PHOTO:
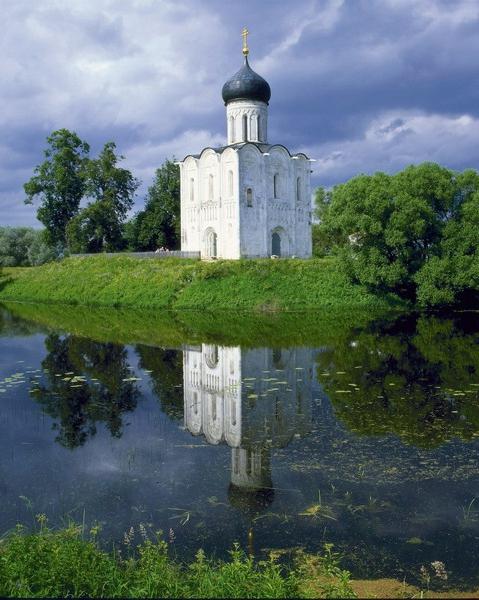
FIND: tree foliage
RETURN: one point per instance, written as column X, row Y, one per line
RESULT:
column 59, row 183
column 25, row 246
column 159, row 223
column 98, row 227
column 392, row 231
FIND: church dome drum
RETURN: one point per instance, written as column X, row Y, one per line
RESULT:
column 246, row 85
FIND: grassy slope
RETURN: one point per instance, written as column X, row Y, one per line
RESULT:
column 186, row 284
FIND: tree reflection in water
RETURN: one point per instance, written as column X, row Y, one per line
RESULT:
column 87, row 383
column 415, row 377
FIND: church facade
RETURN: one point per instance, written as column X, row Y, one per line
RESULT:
column 247, row 199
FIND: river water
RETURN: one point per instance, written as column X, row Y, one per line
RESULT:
column 275, row 433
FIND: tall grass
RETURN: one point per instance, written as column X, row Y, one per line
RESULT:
column 260, row 284
column 62, row 564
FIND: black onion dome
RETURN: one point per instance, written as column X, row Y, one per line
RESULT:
column 246, row 85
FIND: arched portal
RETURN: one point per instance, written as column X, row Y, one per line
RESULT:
column 279, row 242
column 276, row 244
column 210, row 243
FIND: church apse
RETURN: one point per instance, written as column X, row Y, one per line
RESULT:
column 252, row 401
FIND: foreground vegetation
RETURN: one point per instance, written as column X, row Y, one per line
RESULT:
column 52, row 564
column 260, row 284
column 70, row 563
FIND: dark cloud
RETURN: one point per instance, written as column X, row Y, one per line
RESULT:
column 360, row 85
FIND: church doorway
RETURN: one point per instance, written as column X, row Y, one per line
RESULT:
column 276, row 244
column 279, row 242
column 211, row 244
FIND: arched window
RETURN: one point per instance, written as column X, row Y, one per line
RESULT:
column 214, row 411
column 298, row 189
column 192, row 189
column 236, row 460
column 258, row 129
column 245, row 128
column 276, row 185
column 278, row 359
column 211, row 356
column 249, row 462
column 210, row 187
column 230, row 183
column 232, row 129
column 249, row 197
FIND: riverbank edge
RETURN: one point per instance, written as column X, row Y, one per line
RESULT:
column 69, row 562
column 261, row 285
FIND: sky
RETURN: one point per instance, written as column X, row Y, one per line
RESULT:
column 359, row 85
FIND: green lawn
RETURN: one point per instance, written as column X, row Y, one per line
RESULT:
column 262, row 284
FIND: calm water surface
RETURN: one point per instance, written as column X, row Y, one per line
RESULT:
column 368, row 440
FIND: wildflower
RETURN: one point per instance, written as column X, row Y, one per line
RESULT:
column 143, row 532
column 94, row 530
column 439, row 569
column 128, row 536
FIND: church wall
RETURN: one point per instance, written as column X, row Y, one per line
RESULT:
column 282, row 214
column 189, row 198
column 230, row 243
column 302, row 171
column 253, row 219
column 209, row 191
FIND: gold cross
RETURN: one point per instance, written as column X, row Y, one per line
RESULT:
column 244, row 33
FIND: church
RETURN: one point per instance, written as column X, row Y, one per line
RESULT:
column 248, row 199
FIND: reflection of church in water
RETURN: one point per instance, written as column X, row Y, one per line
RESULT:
column 252, row 400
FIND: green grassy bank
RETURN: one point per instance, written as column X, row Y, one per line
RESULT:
column 70, row 563
column 49, row 564
column 171, row 283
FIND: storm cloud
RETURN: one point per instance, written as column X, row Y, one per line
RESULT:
column 359, row 85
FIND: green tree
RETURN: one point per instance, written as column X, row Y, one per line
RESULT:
column 453, row 275
column 98, row 227
column 14, row 245
column 386, row 227
column 59, row 183
column 323, row 240
column 159, row 223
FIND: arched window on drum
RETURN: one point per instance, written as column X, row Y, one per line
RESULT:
column 245, row 128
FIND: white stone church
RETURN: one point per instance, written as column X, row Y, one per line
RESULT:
column 250, row 198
